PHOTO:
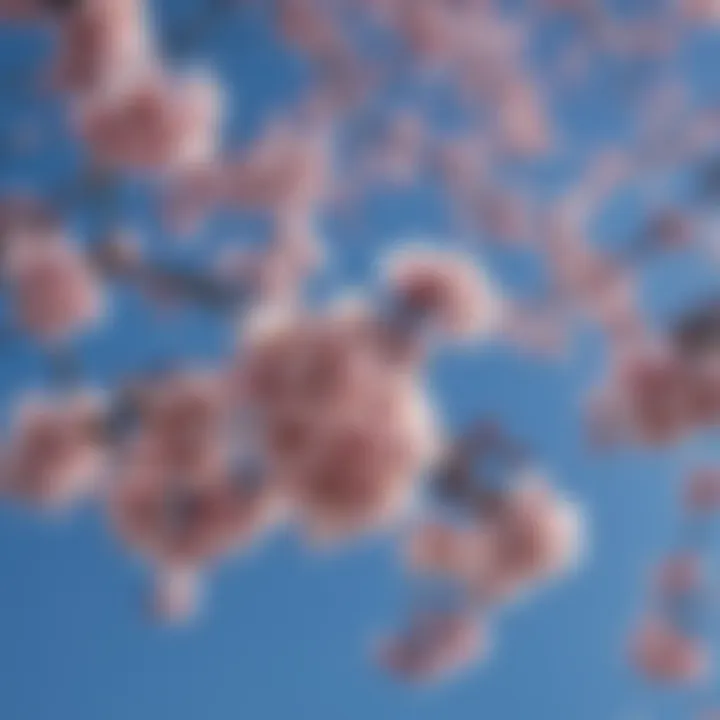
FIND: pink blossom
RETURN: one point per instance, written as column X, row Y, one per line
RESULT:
column 171, row 519
column 24, row 213
column 156, row 124
column 358, row 475
column 701, row 10
column 430, row 28
column 523, row 126
column 103, row 46
column 665, row 655
column 54, row 291
column 185, row 417
column 534, row 536
column 461, row 553
column 678, row 575
column 21, row 10
column 346, row 429
column 55, row 456
column 435, row 646
column 523, row 537
column 445, row 290
column 285, row 169
column 647, row 395
column 310, row 27
column 703, row 390
column 702, row 490
column 17, row 9
column 303, row 362
column 176, row 595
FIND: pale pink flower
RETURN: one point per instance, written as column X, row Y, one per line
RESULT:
column 678, row 575
column 460, row 553
column 24, row 213
column 521, row 538
column 358, row 476
column 702, row 381
column 343, row 358
column 665, row 655
column 173, row 520
column 176, row 595
column 310, row 27
column 54, row 291
column 430, row 28
column 17, row 9
column 701, row 10
column 103, row 46
column 21, row 10
column 534, row 536
column 185, row 417
column 701, row 493
column 647, row 395
column 346, row 429
column 667, row 396
column 167, row 519
column 179, row 497
column 55, row 454
column 435, row 646
column 286, row 169
column 303, row 362
column 523, row 127
column 446, row 291
column 156, row 124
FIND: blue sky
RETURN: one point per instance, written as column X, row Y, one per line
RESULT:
column 286, row 633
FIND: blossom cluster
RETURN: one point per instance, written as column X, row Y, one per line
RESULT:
column 319, row 417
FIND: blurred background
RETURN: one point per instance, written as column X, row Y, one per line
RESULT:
column 286, row 632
